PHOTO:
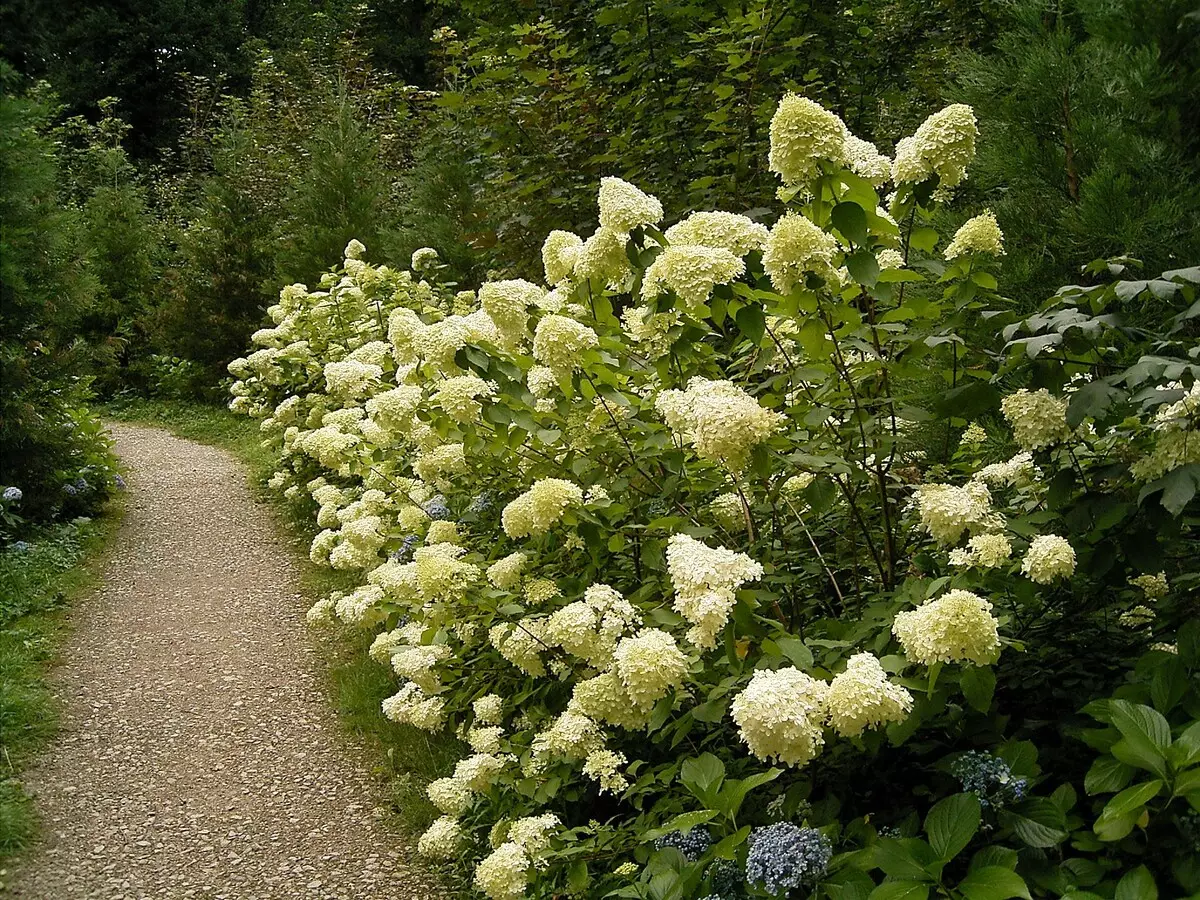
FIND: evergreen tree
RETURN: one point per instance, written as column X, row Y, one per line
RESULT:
column 1085, row 150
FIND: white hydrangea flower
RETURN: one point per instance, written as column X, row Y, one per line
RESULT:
column 781, row 716
column 442, row 839
column 1038, row 419
column 956, row 627
column 978, row 235
column 1048, row 558
column 649, row 665
column 534, row 512
column 604, row 767
column 691, row 271
column 489, row 709
column 796, row 247
column 504, row 874
column 802, row 134
column 705, row 580
column 721, row 421
column 602, row 258
column 560, row 253
column 946, row 510
column 728, row 231
column 624, row 207
column 1155, row 587
column 862, row 697
column 559, row 341
column 865, row 160
column 505, row 574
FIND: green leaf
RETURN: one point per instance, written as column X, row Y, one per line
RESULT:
column 1040, row 823
column 1107, row 775
column 685, row 822
column 703, row 775
column 978, row 683
column 951, row 824
column 796, row 651
column 898, row 858
column 1121, row 813
column 1169, row 684
column 734, row 792
column 1093, row 399
column 751, row 322
column 1137, row 885
column 993, row 883
column 863, row 266
column 901, row 890
column 577, row 876
column 851, row 220
column 923, row 238
column 1145, row 736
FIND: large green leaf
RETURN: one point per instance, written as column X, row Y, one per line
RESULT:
column 993, row 883
column 1137, row 885
column 1107, row 775
column 1121, row 813
column 978, row 683
column 1145, row 736
column 951, row 824
column 901, row 890
column 851, row 220
column 684, row 822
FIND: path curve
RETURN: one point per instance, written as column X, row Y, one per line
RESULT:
column 198, row 757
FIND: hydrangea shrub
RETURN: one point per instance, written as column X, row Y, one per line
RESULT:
column 734, row 506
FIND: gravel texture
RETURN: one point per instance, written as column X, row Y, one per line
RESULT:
column 198, row 757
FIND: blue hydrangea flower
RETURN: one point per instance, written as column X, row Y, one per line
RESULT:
column 436, row 508
column 12, row 495
column 989, row 778
column 405, row 553
column 19, row 546
column 783, row 856
column 70, row 490
column 691, row 843
column 119, row 482
column 481, row 503
column 81, row 484
column 725, row 879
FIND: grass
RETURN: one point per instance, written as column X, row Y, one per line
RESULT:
column 36, row 586
column 406, row 757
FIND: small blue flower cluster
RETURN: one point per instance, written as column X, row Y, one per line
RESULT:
column 70, row 490
column 405, row 553
column 989, row 778
column 783, row 856
column 1189, row 826
column 481, row 503
column 120, row 483
column 13, row 495
column 691, row 843
column 436, row 508
column 19, row 546
column 725, row 879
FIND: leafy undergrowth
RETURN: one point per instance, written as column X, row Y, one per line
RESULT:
column 38, row 580
column 407, row 757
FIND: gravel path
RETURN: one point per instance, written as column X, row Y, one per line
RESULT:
column 198, row 758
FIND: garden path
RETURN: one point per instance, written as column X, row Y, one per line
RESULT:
column 198, row 757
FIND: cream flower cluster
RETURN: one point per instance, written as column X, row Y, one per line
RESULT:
column 534, row 512
column 947, row 511
column 956, row 627
column 705, row 581
column 411, row 706
column 1048, row 559
column 988, row 551
column 442, row 840
column 978, row 235
column 1015, row 472
column 861, row 697
column 722, row 230
column 649, row 665
column 507, row 305
column 781, row 715
column 1038, row 419
column 560, row 253
column 559, row 341
column 721, row 421
column 1155, row 587
column 602, row 258
column 944, row 145
column 802, row 134
column 624, row 207
column 865, row 160
column 505, row 574
column 795, row 248
column 690, row 271
column 459, row 396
